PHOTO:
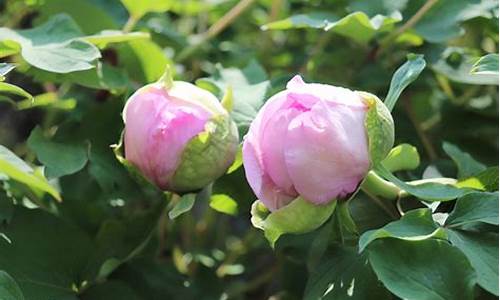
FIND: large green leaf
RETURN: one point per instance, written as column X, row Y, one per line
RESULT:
column 357, row 25
column 45, row 255
column 482, row 251
column 475, row 207
column 344, row 274
column 249, row 85
column 9, row 290
column 299, row 216
column 16, row 169
column 415, row 225
column 429, row 269
column 53, row 46
column 60, row 157
column 403, row 76
column 467, row 166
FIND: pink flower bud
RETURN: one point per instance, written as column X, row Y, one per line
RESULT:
column 179, row 136
column 309, row 140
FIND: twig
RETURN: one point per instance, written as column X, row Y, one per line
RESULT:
column 381, row 204
column 409, row 24
column 429, row 148
column 216, row 28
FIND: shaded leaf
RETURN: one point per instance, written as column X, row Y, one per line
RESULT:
column 485, row 181
column 60, row 157
column 482, row 251
column 344, row 274
column 429, row 269
column 9, row 290
column 487, row 64
column 466, row 164
column 475, row 207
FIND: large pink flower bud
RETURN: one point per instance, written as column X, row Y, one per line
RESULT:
column 178, row 135
column 309, row 140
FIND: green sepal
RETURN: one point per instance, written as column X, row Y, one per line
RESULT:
column 299, row 216
column 207, row 156
column 133, row 170
column 379, row 127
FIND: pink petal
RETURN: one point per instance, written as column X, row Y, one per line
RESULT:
column 262, row 185
column 326, row 151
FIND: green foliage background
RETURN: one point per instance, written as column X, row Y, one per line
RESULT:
column 75, row 224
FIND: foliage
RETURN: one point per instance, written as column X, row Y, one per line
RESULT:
column 76, row 224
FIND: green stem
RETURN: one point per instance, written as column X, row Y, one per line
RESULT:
column 130, row 24
column 377, row 186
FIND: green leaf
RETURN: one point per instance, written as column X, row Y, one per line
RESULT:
column 429, row 269
column 238, row 160
column 487, row 64
column 224, row 204
column 430, row 191
column 15, row 90
column 9, row 290
column 402, row 157
column 60, row 157
column 91, row 16
column 45, row 256
column 144, row 60
column 299, row 216
column 18, row 170
column 104, row 38
column 475, row 207
column 415, row 225
column 138, row 9
column 467, row 166
column 443, row 21
column 342, row 275
column 481, row 248
column 403, row 76
column 184, row 205
column 53, row 46
column 357, row 25
column 486, row 180
column 250, row 86
column 380, row 128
